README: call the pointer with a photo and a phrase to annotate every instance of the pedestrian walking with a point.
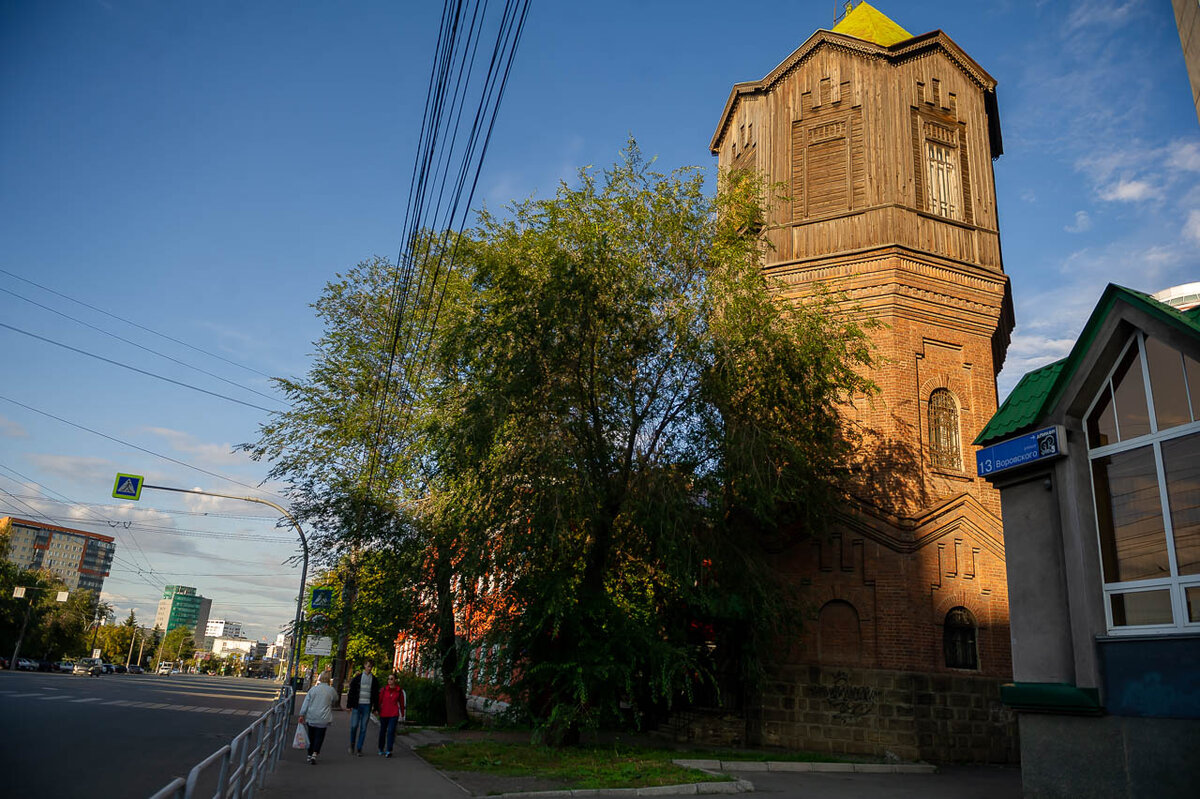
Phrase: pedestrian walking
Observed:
(392, 707)
(362, 699)
(316, 714)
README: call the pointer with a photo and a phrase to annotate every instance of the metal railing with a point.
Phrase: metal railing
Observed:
(243, 764)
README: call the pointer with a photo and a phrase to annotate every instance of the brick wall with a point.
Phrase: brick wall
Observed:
(868, 712)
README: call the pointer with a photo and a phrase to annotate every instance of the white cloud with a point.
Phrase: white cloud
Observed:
(1191, 228)
(10, 429)
(1100, 14)
(1083, 223)
(200, 453)
(76, 468)
(1130, 190)
(1184, 156)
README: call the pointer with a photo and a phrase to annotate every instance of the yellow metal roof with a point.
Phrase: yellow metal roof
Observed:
(867, 23)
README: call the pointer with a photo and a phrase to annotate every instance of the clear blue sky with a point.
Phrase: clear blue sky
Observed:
(203, 168)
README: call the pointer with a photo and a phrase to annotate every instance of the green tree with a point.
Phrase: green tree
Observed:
(628, 412)
(351, 448)
(176, 646)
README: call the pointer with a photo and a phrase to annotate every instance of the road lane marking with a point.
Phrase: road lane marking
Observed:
(226, 711)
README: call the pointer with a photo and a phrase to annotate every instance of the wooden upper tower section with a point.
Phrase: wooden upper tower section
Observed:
(883, 143)
(882, 140)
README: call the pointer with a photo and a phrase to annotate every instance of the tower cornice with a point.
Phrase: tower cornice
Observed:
(895, 54)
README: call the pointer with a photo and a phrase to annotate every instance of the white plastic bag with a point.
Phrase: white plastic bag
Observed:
(300, 739)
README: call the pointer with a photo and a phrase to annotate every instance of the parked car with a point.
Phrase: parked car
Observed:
(165, 667)
(119, 668)
(90, 666)
(47, 665)
(3, 662)
(65, 666)
(25, 664)
(136, 669)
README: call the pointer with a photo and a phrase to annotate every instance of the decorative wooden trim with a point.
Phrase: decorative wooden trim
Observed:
(904, 51)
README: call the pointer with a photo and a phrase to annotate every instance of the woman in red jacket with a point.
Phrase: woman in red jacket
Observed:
(391, 710)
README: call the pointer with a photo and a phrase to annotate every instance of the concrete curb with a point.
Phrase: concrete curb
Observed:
(689, 789)
(790, 766)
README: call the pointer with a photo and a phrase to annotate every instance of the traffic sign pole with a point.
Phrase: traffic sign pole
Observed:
(129, 486)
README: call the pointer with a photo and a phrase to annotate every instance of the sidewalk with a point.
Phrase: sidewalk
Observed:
(339, 773)
(406, 775)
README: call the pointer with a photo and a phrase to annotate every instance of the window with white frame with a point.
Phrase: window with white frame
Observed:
(1143, 433)
(941, 164)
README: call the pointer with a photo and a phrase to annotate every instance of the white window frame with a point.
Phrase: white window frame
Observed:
(1177, 584)
(944, 187)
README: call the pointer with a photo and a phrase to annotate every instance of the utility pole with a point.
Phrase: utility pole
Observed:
(95, 627)
(141, 647)
(132, 640)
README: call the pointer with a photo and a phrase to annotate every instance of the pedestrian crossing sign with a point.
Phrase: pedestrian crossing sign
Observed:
(128, 486)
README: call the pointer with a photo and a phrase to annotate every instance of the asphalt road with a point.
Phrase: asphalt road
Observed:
(65, 736)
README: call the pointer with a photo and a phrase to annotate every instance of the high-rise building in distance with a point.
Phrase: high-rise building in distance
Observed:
(79, 558)
(182, 606)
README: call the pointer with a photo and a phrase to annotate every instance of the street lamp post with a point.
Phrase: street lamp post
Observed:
(303, 543)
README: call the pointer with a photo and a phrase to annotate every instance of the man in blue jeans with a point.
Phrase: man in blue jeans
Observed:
(361, 699)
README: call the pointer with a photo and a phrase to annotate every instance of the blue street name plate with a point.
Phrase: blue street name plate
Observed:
(1022, 450)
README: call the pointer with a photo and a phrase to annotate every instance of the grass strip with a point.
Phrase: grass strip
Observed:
(577, 767)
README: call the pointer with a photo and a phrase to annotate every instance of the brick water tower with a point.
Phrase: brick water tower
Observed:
(885, 143)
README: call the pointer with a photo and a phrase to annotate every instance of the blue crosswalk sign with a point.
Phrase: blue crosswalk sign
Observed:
(128, 486)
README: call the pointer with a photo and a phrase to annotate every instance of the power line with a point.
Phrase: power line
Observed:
(135, 324)
(151, 509)
(168, 458)
(417, 282)
(140, 346)
(181, 531)
(39, 515)
(28, 479)
(134, 368)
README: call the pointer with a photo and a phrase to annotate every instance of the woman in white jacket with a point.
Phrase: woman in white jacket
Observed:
(316, 714)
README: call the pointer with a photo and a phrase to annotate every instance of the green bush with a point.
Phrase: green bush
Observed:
(426, 699)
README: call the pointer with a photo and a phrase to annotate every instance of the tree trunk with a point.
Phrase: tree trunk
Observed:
(349, 594)
(453, 684)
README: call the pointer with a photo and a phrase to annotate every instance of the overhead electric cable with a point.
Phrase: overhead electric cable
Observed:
(36, 514)
(174, 360)
(67, 500)
(416, 282)
(133, 368)
(150, 508)
(168, 458)
(135, 324)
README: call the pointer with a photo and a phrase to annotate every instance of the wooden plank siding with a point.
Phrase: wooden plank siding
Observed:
(845, 133)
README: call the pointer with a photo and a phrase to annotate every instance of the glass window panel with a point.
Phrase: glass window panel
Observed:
(1129, 386)
(1102, 424)
(1166, 384)
(1133, 542)
(1193, 602)
(942, 173)
(1192, 368)
(1181, 462)
(1142, 607)
(944, 447)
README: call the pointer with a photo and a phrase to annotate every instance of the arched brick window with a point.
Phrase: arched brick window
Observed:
(958, 640)
(945, 451)
(840, 637)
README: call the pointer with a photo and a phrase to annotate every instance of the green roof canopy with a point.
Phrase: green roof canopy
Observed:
(1038, 391)
(866, 23)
